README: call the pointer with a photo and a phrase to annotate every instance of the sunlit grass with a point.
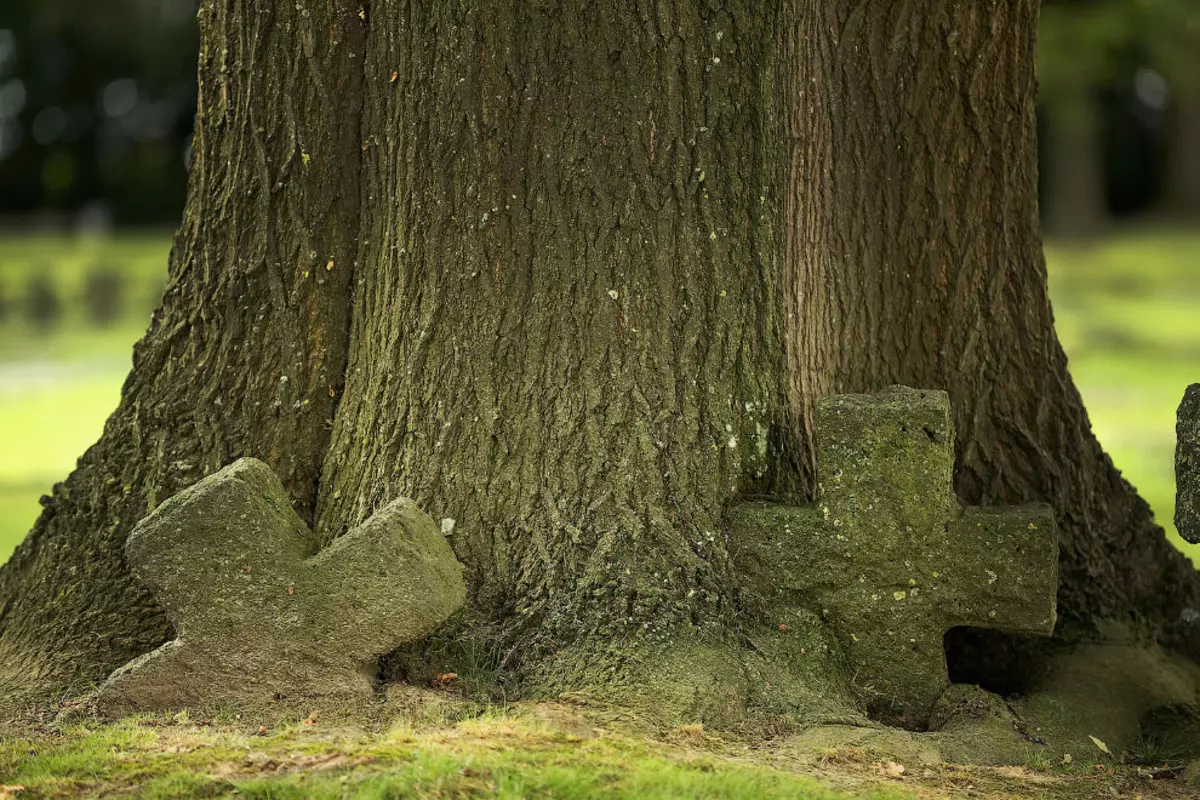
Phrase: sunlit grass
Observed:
(51, 426)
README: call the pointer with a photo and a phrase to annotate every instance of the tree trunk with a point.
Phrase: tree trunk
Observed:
(567, 334)
(572, 276)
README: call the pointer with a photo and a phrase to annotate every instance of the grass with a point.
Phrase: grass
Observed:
(1126, 310)
(498, 754)
(59, 384)
(456, 749)
(74, 410)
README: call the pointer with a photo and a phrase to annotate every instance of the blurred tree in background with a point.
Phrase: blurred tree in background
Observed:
(96, 108)
(1120, 110)
(1173, 29)
(1078, 42)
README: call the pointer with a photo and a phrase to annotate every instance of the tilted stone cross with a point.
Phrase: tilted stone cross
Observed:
(888, 557)
(1187, 467)
(258, 615)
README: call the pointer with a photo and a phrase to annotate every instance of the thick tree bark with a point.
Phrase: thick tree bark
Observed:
(566, 334)
(582, 270)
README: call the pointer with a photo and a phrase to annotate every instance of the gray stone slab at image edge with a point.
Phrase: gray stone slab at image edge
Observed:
(258, 614)
(1187, 466)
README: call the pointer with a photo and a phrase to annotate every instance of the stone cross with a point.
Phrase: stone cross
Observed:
(889, 558)
(258, 615)
(1187, 466)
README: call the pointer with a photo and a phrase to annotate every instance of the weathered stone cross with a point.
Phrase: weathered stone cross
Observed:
(888, 557)
(1187, 467)
(258, 615)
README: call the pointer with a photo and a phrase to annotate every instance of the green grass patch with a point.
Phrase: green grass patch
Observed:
(19, 508)
(51, 426)
(423, 744)
(499, 755)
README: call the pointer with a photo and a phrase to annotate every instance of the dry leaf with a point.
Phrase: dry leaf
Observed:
(1103, 747)
(893, 770)
(445, 679)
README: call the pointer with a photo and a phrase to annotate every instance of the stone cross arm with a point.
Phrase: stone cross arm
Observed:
(258, 614)
(889, 558)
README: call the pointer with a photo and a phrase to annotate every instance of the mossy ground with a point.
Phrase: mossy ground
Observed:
(427, 744)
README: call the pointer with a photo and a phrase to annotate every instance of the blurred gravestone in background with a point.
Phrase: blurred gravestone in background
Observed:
(154, 293)
(1119, 112)
(96, 108)
(43, 308)
(104, 295)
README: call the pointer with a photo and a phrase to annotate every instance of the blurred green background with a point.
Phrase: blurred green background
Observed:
(96, 103)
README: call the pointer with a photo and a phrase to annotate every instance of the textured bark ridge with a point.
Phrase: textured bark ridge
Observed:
(1187, 466)
(888, 557)
(258, 615)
